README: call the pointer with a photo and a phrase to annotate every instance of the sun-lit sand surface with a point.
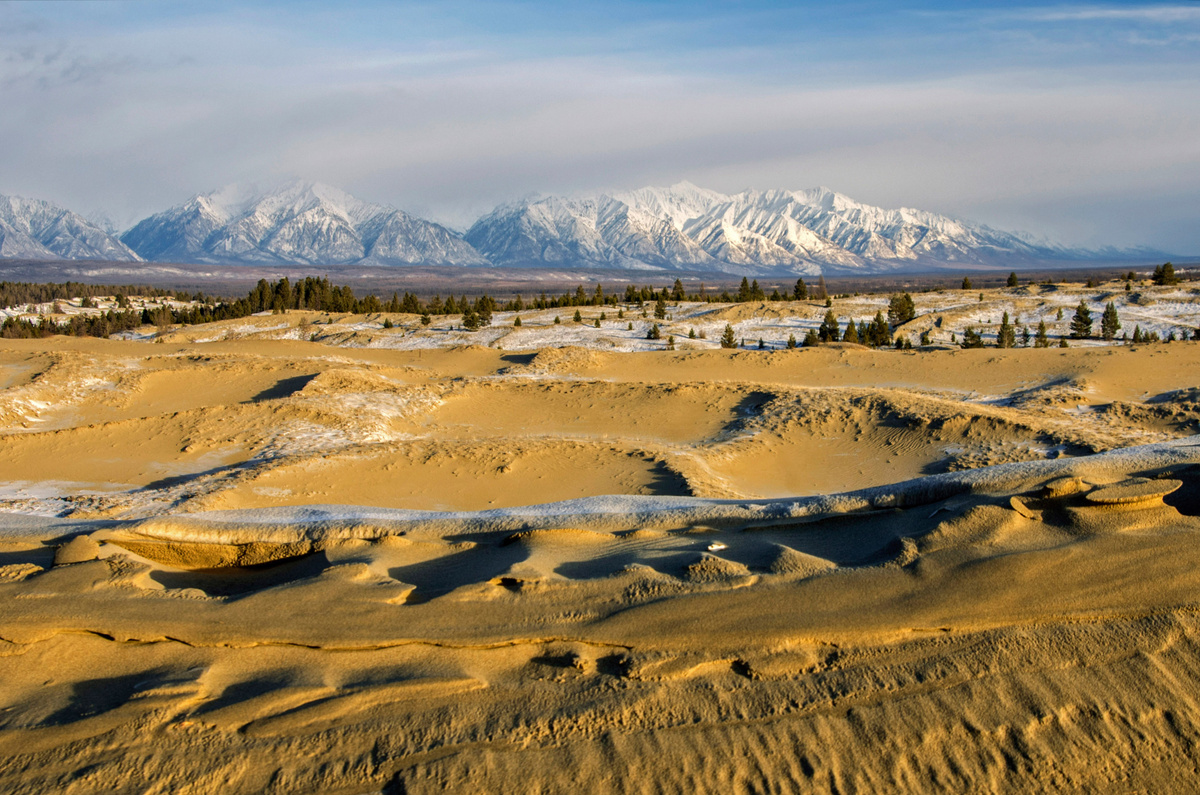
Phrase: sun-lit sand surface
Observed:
(276, 565)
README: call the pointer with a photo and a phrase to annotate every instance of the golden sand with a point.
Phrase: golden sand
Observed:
(276, 566)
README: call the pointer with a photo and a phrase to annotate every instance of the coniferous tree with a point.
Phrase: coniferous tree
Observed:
(810, 338)
(597, 323)
(756, 292)
(671, 343)
(901, 309)
(1062, 343)
(426, 319)
(1006, 337)
(655, 333)
(971, 338)
(1012, 279)
(966, 284)
(1165, 274)
(677, 293)
(800, 291)
(879, 333)
(517, 322)
(1081, 324)
(1109, 322)
(691, 334)
(728, 340)
(743, 293)
(1025, 336)
(851, 333)
(761, 344)
(791, 341)
(822, 291)
(660, 307)
(828, 332)
(1137, 334)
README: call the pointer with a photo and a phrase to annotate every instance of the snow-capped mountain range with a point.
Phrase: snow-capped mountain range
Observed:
(680, 228)
(689, 228)
(34, 229)
(302, 222)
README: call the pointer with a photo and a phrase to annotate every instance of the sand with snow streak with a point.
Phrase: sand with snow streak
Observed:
(264, 565)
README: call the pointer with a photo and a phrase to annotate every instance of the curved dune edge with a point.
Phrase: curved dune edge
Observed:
(991, 630)
(609, 513)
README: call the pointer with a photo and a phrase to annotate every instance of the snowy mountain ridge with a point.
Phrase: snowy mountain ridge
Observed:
(299, 222)
(35, 229)
(678, 228)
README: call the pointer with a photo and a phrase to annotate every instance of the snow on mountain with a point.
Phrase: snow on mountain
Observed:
(35, 229)
(777, 231)
(300, 222)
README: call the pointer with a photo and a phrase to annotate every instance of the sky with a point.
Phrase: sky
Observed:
(1079, 122)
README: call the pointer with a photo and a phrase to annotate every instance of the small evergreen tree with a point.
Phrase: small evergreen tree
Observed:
(558, 321)
(800, 291)
(387, 323)
(597, 323)
(1062, 343)
(1081, 324)
(671, 343)
(655, 333)
(660, 307)
(925, 338)
(879, 333)
(761, 344)
(1109, 322)
(851, 333)
(578, 316)
(426, 319)
(630, 326)
(1025, 336)
(810, 338)
(901, 309)
(828, 332)
(791, 341)
(966, 285)
(728, 340)
(756, 292)
(828, 302)
(691, 334)
(517, 322)
(677, 293)
(743, 293)
(620, 314)
(1059, 315)
(1137, 334)
(1165, 274)
(1012, 279)
(971, 338)
(1006, 337)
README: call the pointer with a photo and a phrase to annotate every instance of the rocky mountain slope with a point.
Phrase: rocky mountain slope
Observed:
(34, 229)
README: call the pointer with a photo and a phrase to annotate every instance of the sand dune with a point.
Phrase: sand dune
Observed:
(279, 566)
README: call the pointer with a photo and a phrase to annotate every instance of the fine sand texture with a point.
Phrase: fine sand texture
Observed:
(253, 565)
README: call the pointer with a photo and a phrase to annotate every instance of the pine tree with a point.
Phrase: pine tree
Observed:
(728, 340)
(800, 291)
(756, 292)
(810, 338)
(1137, 334)
(655, 333)
(660, 307)
(1109, 322)
(822, 290)
(671, 343)
(1012, 279)
(677, 293)
(426, 319)
(971, 338)
(1025, 336)
(578, 317)
(558, 320)
(851, 333)
(828, 332)
(879, 333)
(1006, 337)
(517, 321)
(691, 334)
(761, 344)
(1059, 315)
(901, 309)
(791, 342)
(597, 323)
(828, 302)
(966, 285)
(743, 293)
(1165, 274)
(387, 323)
(1062, 343)
(1081, 324)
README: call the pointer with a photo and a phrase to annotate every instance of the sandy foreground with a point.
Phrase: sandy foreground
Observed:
(250, 565)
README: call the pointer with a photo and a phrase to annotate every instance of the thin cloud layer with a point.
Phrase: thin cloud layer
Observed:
(1052, 120)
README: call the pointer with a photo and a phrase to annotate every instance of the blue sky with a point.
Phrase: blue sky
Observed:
(1077, 121)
